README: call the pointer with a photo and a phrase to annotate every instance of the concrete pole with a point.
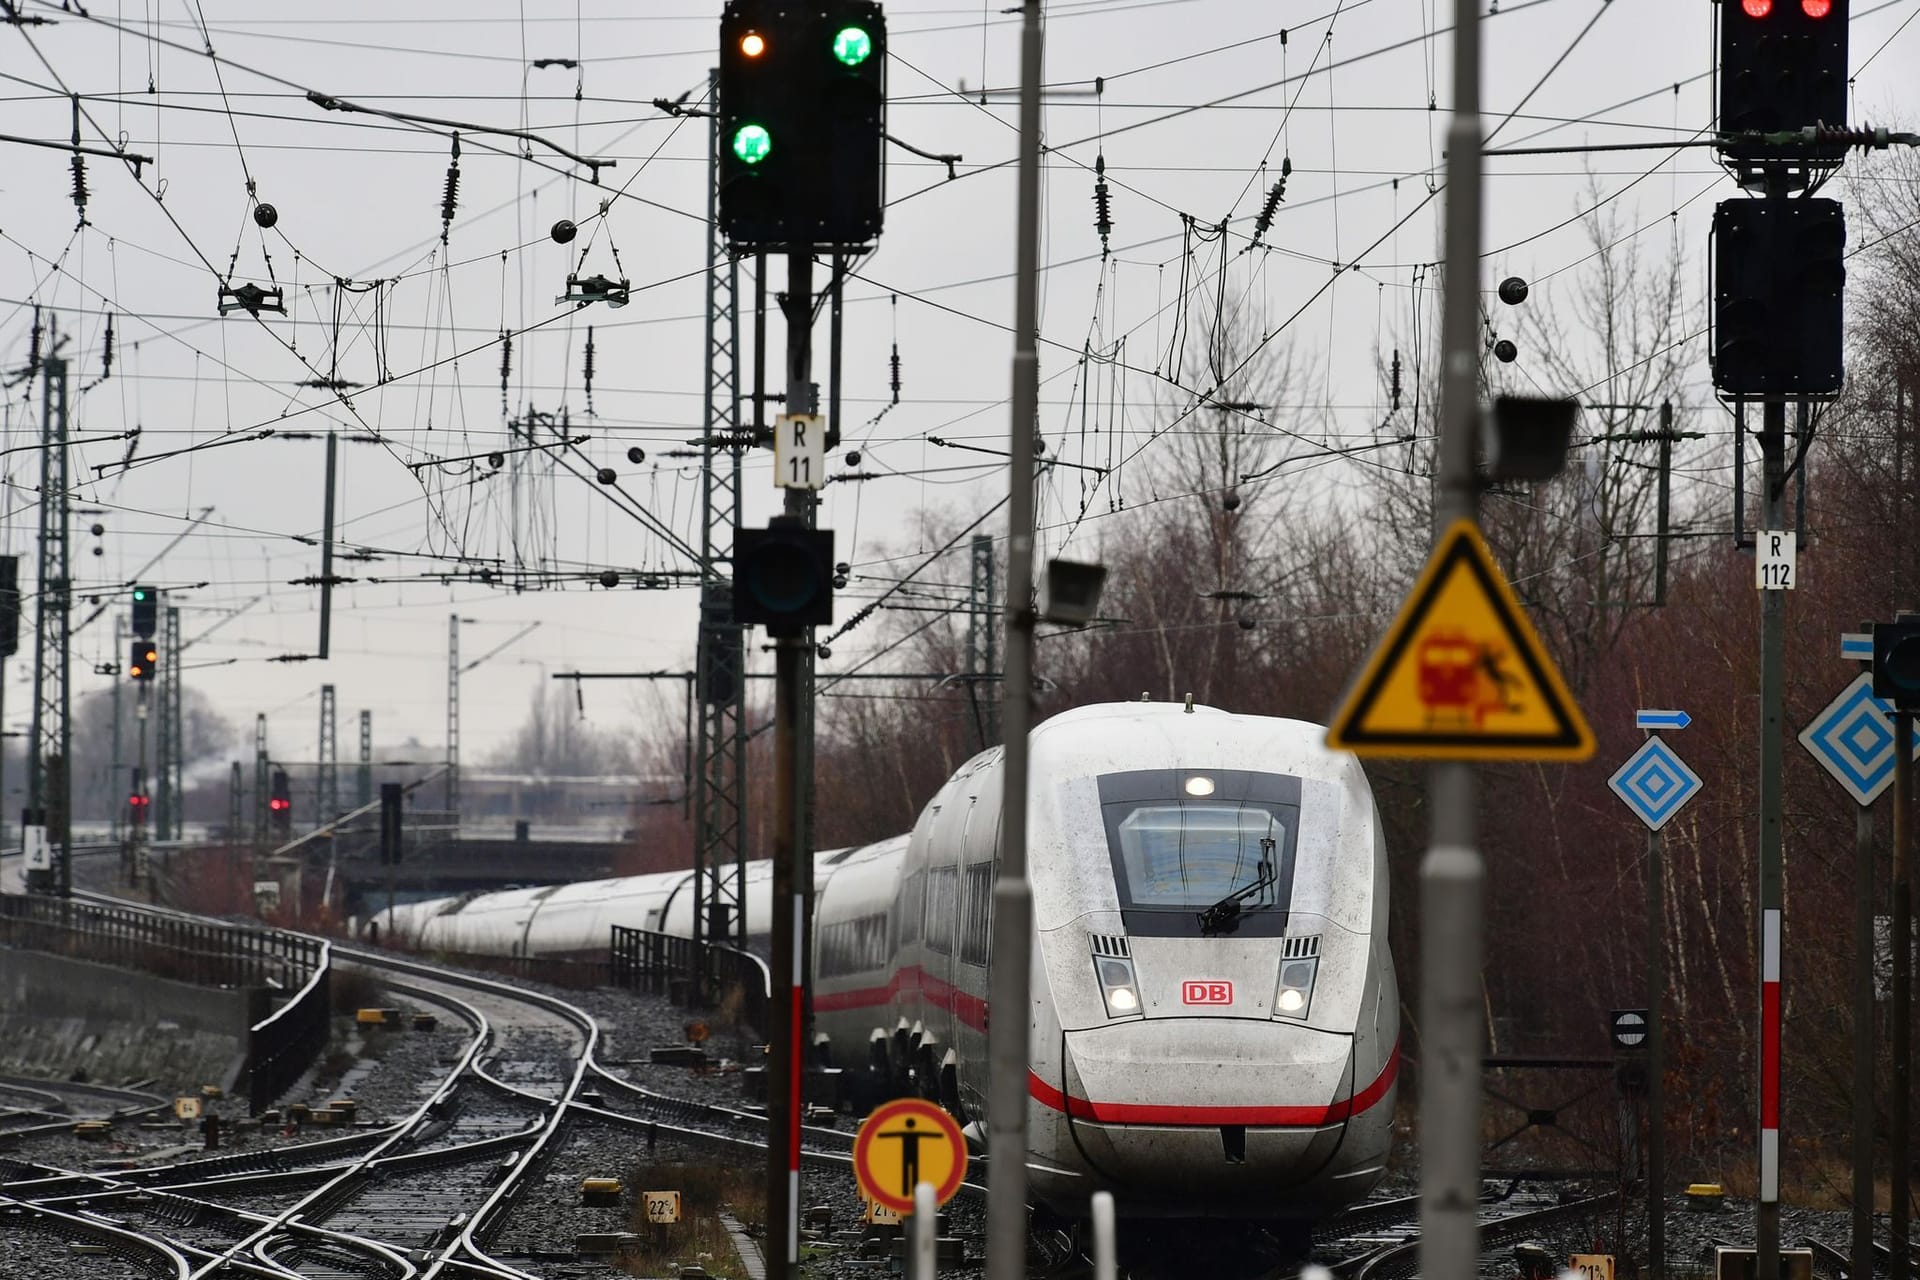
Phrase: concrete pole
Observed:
(1773, 449)
(792, 867)
(1009, 1003)
(1452, 872)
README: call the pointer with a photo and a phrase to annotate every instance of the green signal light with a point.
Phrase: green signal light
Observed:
(751, 143)
(852, 46)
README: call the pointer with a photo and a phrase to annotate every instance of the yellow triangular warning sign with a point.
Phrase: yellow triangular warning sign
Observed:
(1461, 675)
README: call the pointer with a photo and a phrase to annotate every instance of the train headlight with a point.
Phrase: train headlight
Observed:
(1117, 985)
(1295, 990)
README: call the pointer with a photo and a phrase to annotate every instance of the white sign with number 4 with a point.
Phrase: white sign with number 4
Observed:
(799, 451)
(1775, 551)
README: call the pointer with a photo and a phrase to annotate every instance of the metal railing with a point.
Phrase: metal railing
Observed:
(279, 1046)
(666, 965)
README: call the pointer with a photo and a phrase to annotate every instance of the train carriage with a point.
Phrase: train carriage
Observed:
(1214, 1017)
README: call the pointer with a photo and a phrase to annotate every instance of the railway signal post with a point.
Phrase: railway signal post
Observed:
(802, 105)
(1779, 271)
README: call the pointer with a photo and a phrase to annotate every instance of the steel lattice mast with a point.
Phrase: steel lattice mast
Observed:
(363, 792)
(719, 827)
(49, 792)
(173, 772)
(453, 719)
(327, 790)
(260, 784)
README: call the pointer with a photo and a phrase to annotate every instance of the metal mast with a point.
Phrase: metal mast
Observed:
(363, 793)
(1453, 872)
(327, 792)
(49, 790)
(238, 866)
(170, 806)
(983, 643)
(453, 718)
(175, 694)
(116, 771)
(260, 785)
(720, 752)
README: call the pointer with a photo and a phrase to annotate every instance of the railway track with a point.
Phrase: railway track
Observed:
(33, 1108)
(410, 1198)
(419, 1196)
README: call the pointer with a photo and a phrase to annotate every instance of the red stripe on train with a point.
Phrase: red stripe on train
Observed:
(969, 1008)
(1176, 1114)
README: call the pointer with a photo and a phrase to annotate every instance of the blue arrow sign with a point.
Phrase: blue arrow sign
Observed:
(1852, 738)
(1857, 645)
(1647, 718)
(1654, 783)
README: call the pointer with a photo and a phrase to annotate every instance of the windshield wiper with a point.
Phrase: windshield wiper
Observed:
(1224, 915)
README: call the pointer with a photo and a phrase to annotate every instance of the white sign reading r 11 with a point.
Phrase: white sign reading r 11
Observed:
(799, 450)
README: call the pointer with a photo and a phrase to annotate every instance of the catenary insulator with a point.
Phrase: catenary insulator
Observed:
(1102, 201)
(506, 367)
(451, 199)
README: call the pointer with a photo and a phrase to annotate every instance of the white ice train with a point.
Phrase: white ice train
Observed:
(1215, 1020)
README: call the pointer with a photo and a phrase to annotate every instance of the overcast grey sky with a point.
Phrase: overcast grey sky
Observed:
(1198, 103)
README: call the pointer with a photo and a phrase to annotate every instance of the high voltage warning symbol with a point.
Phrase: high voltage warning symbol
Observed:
(1461, 674)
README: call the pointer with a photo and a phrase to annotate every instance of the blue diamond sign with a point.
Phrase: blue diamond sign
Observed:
(1853, 740)
(1655, 783)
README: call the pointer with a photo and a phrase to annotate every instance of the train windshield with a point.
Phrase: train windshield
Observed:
(1192, 855)
(1190, 849)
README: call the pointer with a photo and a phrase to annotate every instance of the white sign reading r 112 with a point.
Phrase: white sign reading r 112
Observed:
(1775, 551)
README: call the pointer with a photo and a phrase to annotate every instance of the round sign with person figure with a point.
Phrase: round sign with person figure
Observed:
(904, 1143)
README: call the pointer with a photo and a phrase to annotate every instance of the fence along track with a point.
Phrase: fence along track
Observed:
(201, 952)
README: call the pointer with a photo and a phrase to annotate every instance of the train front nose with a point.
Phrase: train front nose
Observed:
(1238, 1117)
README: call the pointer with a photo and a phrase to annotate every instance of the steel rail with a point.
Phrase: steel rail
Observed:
(71, 1224)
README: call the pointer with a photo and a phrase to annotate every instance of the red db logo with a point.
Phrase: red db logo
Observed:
(1206, 993)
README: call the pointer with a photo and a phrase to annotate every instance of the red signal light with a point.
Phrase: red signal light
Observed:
(1816, 8)
(1761, 8)
(277, 804)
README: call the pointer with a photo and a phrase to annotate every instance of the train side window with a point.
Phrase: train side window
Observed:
(942, 908)
(978, 920)
(908, 906)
